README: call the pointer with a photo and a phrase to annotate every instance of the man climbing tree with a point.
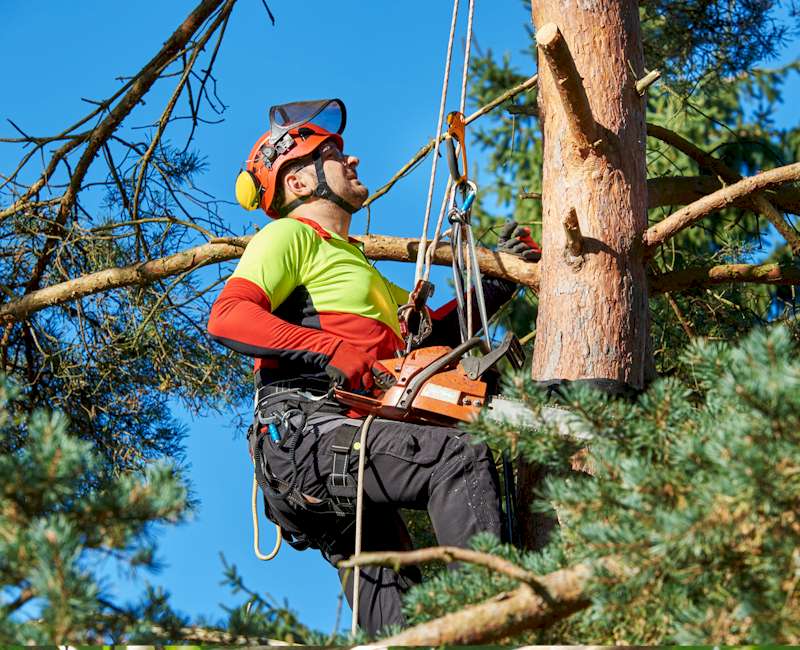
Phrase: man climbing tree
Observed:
(306, 303)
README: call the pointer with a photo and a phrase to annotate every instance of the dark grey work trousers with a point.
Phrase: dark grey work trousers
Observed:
(407, 466)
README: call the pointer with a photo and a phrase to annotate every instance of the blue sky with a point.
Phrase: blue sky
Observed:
(384, 59)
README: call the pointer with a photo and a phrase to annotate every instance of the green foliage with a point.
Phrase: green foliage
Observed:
(707, 40)
(61, 515)
(695, 494)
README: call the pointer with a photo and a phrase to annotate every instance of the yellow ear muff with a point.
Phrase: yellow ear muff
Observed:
(248, 190)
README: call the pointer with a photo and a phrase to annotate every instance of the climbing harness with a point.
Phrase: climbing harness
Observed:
(280, 418)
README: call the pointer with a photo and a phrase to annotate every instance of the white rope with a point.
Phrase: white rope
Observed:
(359, 516)
(437, 234)
(448, 58)
(425, 273)
(467, 48)
(278, 536)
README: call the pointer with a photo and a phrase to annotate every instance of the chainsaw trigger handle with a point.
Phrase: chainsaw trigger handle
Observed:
(510, 348)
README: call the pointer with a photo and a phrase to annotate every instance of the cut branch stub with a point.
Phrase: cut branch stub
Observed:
(570, 86)
(648, 80)
(573, 231)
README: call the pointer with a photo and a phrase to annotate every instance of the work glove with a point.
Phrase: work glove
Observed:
(354, 370)
(517, 240)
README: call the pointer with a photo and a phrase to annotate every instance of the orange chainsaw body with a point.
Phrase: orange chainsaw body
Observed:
(445, 397)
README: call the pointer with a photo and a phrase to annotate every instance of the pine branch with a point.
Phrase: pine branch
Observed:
(569, 84)
(505, 615)
(694, 212)
(448, 554)
(757, 201)
(682, 190)
(500, 265)
(96, 138)
(774, 274)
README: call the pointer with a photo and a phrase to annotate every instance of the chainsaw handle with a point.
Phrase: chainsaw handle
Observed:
(415, 385)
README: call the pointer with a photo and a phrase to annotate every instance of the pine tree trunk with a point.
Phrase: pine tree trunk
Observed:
(593, 318)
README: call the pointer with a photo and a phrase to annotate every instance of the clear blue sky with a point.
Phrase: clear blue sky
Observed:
(385, 59)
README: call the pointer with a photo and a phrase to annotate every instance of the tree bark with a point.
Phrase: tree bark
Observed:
(593, 317)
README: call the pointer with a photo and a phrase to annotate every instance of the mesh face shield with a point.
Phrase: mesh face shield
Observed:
(328, 114)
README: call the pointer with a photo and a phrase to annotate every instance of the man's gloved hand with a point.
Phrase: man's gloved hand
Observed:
(354, 370)
(517, 240)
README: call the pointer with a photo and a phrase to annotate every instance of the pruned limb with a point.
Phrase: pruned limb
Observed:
(682, 190)
(426, 149)
(694, 212)
(775, 274)
(757, 201)
(504, 615)
(570, 86)
(573, 231)
(447, 554)
(648, 80)
(501, 265)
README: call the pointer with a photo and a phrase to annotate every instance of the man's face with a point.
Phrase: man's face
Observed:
(341, 174)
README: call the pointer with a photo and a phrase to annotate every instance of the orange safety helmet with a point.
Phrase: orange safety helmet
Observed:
(292, 135)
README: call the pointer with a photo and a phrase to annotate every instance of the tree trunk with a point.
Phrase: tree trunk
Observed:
(593, 320)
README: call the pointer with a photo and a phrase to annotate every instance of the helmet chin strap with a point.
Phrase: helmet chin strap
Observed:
(321, 191)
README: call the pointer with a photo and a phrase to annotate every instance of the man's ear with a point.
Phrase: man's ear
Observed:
(298, 183)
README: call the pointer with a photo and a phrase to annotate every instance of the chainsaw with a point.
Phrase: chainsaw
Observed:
(442, 385)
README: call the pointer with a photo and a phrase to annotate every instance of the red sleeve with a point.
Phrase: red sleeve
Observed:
(241, 320)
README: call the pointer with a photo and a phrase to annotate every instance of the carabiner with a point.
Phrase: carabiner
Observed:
(455, 131)
(469, 191)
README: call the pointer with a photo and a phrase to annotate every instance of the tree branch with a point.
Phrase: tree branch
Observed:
(648, 80)
(504, 615)
(426, 149)
(570, 87)
(774, 274)
(144, 80)
(757, 201)
(222, 249)
(682, 190)
(447, 554)
(694, 212)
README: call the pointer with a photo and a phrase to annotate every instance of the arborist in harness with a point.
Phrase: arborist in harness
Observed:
(306, 303)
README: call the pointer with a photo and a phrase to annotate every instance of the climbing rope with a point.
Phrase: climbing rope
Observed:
(278, 535)
(362, 454)
(421, 251)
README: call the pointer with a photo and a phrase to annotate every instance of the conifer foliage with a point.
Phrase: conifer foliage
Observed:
(693, 504)
(58, 518)
(62, 518)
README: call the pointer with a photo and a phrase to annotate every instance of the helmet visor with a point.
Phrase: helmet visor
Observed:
(329, 114)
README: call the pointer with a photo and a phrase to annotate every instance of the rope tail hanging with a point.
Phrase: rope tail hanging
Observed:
(362, 454)
(278, 535)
